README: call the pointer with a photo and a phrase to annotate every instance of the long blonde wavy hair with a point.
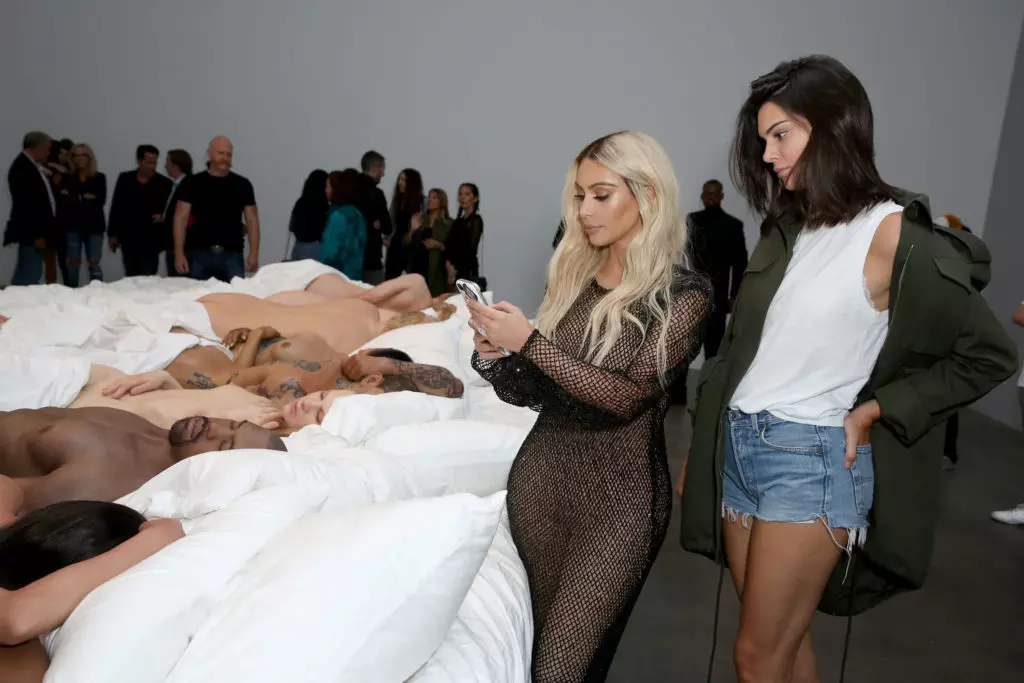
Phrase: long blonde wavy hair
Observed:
(93, 168)
(650, 257)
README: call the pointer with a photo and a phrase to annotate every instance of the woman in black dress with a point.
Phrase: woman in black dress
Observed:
(588, 493)
(309, 217)
(406, 202)
(463, 242)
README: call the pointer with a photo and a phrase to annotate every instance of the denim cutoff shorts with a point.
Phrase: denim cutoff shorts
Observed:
(781, 471)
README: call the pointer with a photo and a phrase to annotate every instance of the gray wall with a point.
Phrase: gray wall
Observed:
(1004, 234)
(500, 93)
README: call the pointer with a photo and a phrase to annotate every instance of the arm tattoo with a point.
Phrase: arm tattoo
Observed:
(200, 381)
(431, 379)
(307, 365)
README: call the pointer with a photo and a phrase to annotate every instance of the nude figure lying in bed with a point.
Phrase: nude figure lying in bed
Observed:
(267, 363)
(280, 396)
(342, 323)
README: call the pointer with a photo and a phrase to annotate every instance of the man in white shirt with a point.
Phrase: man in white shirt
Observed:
(1016, 515)
(33, 216)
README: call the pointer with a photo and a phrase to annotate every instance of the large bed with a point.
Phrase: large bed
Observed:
(376, 549)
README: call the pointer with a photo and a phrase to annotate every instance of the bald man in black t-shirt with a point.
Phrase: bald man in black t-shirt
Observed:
(208, 229)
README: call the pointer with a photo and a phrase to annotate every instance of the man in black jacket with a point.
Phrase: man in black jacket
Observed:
(178, 166)
(374, 207)
(135, 214)
(719, 250)
(33, 208)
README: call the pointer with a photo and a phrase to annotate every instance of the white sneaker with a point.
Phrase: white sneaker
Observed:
(1014, 516)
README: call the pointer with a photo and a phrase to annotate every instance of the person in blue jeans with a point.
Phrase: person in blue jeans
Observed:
(343, 244)
(88, 189)
(309, 216)
(33, 208)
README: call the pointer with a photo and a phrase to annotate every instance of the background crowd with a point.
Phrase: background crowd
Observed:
(201, 221)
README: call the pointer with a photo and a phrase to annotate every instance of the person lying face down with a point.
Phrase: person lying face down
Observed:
(51, 558)
(51, 455)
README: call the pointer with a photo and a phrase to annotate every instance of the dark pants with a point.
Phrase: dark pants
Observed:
(373, 277)
(396, 260)
(952, 434)
(140, 261)
(714, 330)
(29, 269)
(205, 263)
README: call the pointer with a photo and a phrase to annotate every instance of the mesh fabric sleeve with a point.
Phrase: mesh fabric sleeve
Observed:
(545, 376)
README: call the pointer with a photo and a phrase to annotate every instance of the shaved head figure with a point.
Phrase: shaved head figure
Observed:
(220, 152)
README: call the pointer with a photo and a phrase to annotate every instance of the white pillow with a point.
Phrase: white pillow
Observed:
(452, 456)
(361, 416)
(363, 595)
(491, 640)
(134, 627)
(212, 481)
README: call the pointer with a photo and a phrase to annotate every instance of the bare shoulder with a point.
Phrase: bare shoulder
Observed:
(887, 237)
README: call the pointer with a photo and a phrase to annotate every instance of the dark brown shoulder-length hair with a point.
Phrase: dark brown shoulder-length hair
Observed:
(836, 174)
(344, 186)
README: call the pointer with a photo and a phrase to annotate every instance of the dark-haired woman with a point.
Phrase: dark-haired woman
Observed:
(51, 558)
(463, 241)
(344, 239)
(406, 202)
(309, 216)
(857, 331)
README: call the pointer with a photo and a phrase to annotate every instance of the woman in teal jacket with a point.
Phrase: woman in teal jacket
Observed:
(344, 237)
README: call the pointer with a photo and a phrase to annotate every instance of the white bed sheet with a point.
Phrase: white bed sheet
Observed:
(384, 448)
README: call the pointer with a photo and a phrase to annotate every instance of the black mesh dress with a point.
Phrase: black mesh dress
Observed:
(588, 493)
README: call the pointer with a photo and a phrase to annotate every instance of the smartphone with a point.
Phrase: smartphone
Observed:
(471, 290)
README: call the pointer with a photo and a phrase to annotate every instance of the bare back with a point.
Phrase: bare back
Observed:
(106, 453)
(344, 324)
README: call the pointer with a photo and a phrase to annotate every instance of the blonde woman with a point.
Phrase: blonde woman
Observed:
(88, 196)
(588, 493)
(425, 242)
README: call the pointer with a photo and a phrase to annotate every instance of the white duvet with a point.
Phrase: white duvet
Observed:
(376, 549)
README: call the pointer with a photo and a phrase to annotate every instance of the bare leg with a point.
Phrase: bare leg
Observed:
(296, 298)
(786, 571)
(331, 286)
(406, 293)
(737, 540)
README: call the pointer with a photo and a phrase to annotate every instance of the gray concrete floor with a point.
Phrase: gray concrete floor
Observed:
(965, 626)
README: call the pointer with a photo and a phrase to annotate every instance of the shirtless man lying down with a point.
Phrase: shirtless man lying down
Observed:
(58, 454)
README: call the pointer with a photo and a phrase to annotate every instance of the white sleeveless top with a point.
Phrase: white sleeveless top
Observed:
(822, 335)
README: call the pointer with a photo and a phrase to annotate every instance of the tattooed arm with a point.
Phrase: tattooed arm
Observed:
(428, 379)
